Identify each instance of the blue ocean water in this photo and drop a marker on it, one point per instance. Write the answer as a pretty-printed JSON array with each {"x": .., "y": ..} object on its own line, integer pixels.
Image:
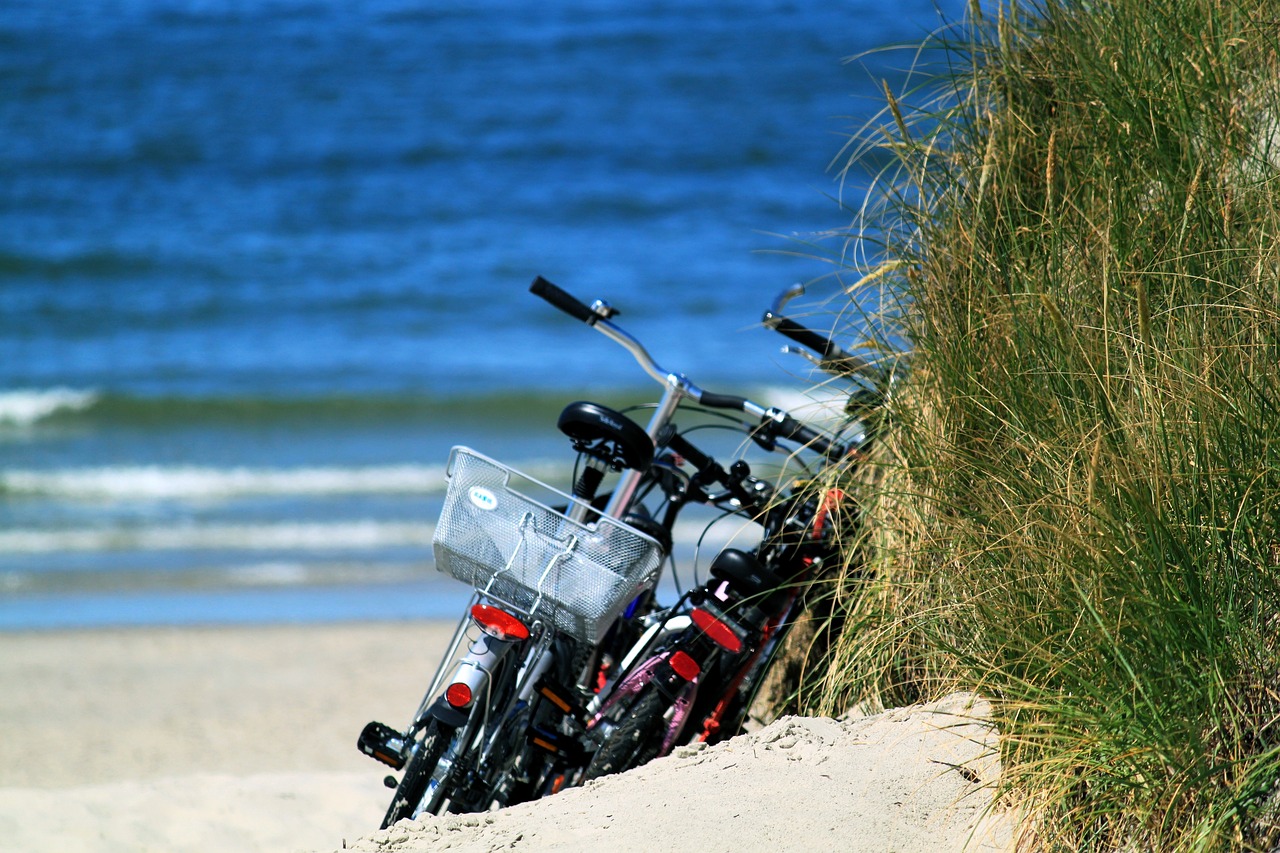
[{"x": 262, "y": 262}]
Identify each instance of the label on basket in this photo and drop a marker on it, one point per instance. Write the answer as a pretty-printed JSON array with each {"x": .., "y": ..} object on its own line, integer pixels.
[{"x": 483, "y": 498}]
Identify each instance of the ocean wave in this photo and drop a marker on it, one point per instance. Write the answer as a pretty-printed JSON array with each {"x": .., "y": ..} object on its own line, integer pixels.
[
  {"x": 819, "y": 405},
  {"x": 25, "y": 407},
  {"x": 348, "y": 535},
  {"x": 340, "y": 408},
  {"x": 192, "y": 483},
  {"x": 272, "y": 574},
  {"x": 711, "y": 537},
  {"x": 92, "y": 263},
  {"x": 362, "y": 535}
]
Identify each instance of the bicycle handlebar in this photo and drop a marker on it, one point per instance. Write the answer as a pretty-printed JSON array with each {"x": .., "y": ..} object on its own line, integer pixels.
[
  {"x": 789, "y": 427},
  {"x": 833, "y": 358},
  {"x": 696, "y": 457},
  {"x": 566, "y": 302},
  {"x": 824, "y": 346},
  {"x": 774, "y": 423},
  {"x": 710, "y": 471}
]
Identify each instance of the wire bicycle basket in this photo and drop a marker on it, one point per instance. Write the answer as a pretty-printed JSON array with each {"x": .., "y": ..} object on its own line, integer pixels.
[{"x": 515, "y": 549}]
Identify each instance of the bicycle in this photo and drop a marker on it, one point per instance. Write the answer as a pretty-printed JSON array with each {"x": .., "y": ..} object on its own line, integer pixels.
[
  {"x": 564, "y": 588},
  {"x": 696, "y": 670},
  {"x": 696, "y": 677}
]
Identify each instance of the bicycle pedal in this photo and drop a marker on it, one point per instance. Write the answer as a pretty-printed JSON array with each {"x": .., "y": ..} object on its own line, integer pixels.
[
  {"x": 562, "y": 697},
  {"x": 556, "y": 743},
  {"x": 383, "y": 743}
]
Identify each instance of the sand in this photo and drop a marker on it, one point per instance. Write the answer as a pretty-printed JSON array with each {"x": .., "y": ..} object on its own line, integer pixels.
[{"x": 242, "y": 739}]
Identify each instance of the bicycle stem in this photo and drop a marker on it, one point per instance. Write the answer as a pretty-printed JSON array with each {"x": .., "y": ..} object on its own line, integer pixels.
[{"x": 675, "y": 388}]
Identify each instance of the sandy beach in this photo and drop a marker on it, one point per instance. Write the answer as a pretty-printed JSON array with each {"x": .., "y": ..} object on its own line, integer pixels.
[
  {"x": 242, "y": 739},
  {"x": 201, "y": 739}
]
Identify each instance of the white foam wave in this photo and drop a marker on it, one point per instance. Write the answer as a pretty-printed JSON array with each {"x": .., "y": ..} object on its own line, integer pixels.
[
  {"x": 351, "y": 535},
  {"x": 200, "y": 483},
  {"x": 356, "y": 535},
  {"x": 820, "y": 405},
  {"x": 277, "y": 574},
  {"x": 715, "y": 537},
  {"x": 25, "y": 407}
]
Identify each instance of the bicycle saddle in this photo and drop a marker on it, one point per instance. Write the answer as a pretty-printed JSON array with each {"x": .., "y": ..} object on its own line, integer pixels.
[
  {"x": 607, "y": 435},
  {"x": 744, "y": 571}
]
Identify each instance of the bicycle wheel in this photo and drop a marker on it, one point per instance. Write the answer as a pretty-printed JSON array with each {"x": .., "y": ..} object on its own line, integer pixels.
[
  {"x": 417, "y": 773},
  {"x": 635, "y": 741},
  {"x": 486, "y": 785}
]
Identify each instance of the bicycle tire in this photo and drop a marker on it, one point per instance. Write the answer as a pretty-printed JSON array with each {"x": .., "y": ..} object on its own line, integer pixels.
[
  {"x": 479, "y": 791},
  {"x": 635, "y": 742},
  {"x": 732, "y": 719},
  {"x": 509, "y": 775},
  {"x": 417, "y": 774}
]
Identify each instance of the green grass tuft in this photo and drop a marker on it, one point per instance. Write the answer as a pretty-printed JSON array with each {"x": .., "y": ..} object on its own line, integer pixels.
[{"x": 1079, "y": 511}]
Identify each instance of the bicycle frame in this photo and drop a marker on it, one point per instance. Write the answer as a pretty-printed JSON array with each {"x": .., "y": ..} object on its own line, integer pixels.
[{"x": 702, "y": 637}]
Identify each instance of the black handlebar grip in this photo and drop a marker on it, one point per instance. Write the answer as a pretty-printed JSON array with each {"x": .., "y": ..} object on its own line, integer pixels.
[
  {"x": 722, "y": 401},
  {"x": 566, "y": 302},
  {"x": 793, "y": 429},
  {"x": 834, "y": 359},
  {"x": 820, "y": 344}
]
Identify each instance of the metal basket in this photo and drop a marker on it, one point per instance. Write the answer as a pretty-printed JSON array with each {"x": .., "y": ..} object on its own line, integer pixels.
[{"x": 576, "y": 577}]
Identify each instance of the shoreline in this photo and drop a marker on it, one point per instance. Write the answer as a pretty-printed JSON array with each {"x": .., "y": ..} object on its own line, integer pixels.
[{"x": 425, "y": 596}]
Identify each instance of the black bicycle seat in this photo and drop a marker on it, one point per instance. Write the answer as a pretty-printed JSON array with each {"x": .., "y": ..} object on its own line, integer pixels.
[
  {"x": 607, "y": 435},
  {"x": 744, "y": 571}
]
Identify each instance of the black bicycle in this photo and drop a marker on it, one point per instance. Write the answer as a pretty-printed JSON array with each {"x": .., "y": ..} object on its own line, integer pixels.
[
  {"x": 564, "y": 587},
  {"x": 695, "y": 673}
]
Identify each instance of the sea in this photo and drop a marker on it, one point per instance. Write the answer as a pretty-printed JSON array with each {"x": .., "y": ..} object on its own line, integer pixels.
[{"x": 264, "y": 262}]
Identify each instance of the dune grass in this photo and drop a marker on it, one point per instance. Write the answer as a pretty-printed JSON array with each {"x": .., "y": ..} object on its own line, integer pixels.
[{"x": 1079, "y": 512}]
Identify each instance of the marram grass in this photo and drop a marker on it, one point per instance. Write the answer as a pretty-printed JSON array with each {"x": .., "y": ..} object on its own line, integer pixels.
[{"x": 1078, "y": 511}]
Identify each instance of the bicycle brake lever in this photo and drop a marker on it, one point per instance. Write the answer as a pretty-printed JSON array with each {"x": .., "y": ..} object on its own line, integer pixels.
[
  {"x": 786, "y": 296},
  {"x": 765, "y": 436},
  {"x": 790, "y": 350}
]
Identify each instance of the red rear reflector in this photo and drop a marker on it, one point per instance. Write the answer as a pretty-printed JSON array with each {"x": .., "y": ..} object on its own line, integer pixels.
[
  {"x": 458, "y": 694},
  {"x": 499, "y": 623},
  {"x": 721, "y": 634},
  {"x": 685, "y": 666}
]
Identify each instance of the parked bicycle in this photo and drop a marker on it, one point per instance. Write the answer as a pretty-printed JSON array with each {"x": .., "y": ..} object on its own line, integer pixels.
[
  {"x": 695, "y": 672},
  {"x": 564, "y": 642}
]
